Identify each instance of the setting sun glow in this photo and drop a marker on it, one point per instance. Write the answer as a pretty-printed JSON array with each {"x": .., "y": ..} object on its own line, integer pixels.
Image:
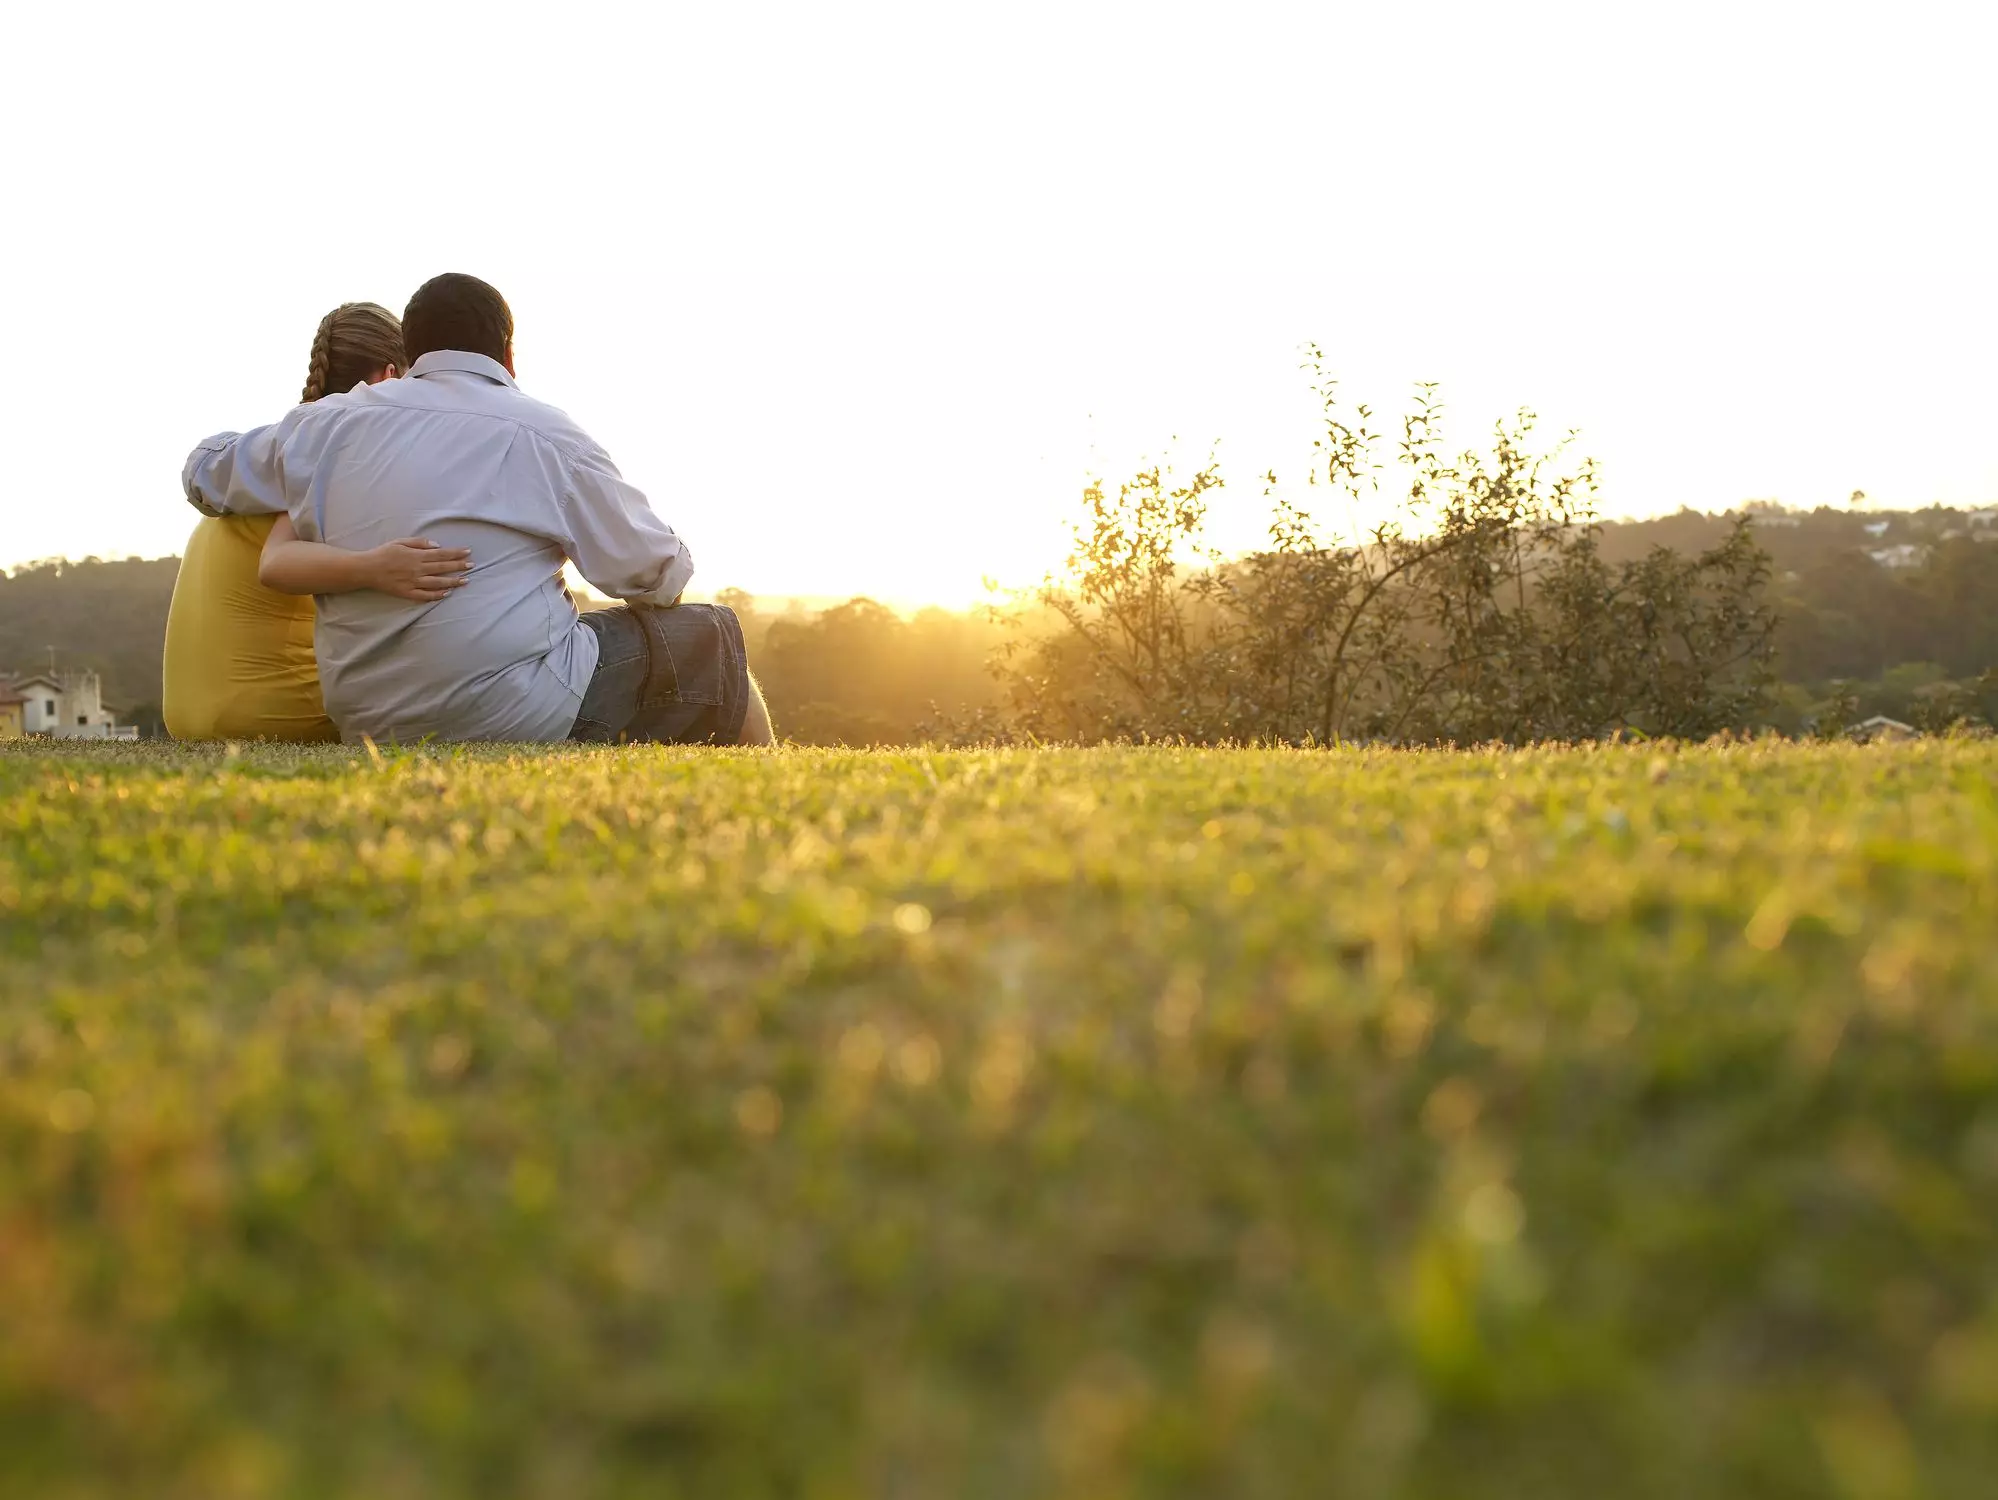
[{"x": 860, "y": 296}]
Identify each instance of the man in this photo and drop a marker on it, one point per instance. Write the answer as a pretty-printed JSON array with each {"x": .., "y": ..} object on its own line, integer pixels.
[{"x": 455, "y": 452}]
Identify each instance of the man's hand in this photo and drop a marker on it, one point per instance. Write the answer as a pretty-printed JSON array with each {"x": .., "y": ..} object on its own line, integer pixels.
[{"x": 418, "y": 570}]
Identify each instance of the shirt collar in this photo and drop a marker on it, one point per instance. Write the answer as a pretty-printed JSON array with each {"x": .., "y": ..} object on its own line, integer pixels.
[{"x": 462, "y": 360}]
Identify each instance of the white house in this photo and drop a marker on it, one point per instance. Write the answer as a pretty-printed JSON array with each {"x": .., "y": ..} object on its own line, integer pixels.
[
  {"x": 66, "y": 706},
  {"x": 1880, "y": 727}
]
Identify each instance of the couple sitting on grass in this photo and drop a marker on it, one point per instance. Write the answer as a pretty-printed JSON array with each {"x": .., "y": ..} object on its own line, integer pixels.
[{"x": 430, "y": 506}]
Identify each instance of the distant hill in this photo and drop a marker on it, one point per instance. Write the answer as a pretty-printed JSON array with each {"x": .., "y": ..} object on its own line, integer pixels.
[
  {"x": 1901, "y": 604},
  {"x": 108, "y": 616},
  {"x": 1798, "y": 540}
]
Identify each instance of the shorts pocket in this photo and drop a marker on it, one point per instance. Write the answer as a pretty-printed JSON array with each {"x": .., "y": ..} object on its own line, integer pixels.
[{"x": 691, "y": 655}]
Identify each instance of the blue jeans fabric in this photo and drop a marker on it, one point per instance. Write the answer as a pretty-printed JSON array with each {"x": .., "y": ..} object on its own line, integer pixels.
[{"x": 674, "y": 676}]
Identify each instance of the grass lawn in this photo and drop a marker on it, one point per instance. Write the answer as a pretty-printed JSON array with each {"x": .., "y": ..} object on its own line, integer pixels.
[{"x": 1613, "y": 1122}]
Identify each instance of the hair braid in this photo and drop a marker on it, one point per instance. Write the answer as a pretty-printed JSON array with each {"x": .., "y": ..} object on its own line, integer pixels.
[
  {"x": 322, "y": 359},
  {"x": 354, "y": 342}
]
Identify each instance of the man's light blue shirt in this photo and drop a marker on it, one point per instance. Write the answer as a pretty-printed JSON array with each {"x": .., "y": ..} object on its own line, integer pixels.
[{"x": 456, "y": 453}]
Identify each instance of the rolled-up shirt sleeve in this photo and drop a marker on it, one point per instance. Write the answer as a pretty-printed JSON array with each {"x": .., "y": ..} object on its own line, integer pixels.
[
  {"x": 615, "y": 538},
  {"x": 236, "y": 473}
]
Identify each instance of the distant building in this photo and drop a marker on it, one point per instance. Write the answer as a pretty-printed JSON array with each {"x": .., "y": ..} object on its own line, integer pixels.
[
  {"x": 63, "y": 705},
  {"x": 1768, "y": 513},
  {"x": 13, "y": 707},
  {"x": 1906, "y": 555},
  {"x": 1880, "y": 727},
  {"x": 1876, "y": 528}
]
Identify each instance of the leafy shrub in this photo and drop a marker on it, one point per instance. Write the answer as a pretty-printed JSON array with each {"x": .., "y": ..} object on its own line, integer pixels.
[{"x": 1476, "y": 606}]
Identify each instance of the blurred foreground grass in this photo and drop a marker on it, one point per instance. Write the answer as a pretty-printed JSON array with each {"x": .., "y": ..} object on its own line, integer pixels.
[{"x": 636, "y": 1122}]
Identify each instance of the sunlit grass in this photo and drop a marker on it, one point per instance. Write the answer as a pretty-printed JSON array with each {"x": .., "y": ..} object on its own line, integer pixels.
[{"x": 1616, "y": 1121}]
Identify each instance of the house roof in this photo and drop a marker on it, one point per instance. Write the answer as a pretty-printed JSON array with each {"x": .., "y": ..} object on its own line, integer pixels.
[
  {"x": 9, "y": 695},
  {"x": 34, "y": 679},
  {"x": 1880, "y": 727}
]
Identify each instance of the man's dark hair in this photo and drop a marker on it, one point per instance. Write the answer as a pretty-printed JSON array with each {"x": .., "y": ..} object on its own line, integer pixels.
[{"x": 456, "y": 311}]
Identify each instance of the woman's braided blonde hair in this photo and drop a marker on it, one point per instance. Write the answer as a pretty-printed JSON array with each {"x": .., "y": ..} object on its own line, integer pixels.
[{"x": 354, "y": 341}]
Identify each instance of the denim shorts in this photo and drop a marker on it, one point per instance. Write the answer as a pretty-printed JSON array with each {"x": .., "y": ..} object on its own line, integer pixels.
[{"x": 676, "y": 676}]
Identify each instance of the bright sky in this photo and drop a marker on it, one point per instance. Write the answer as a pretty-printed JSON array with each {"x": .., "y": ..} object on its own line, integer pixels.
[{"x": 859, "y": 295}]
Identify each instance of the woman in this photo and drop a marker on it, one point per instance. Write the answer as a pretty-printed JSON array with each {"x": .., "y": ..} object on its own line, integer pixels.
[{"x": 239, "y": 661}]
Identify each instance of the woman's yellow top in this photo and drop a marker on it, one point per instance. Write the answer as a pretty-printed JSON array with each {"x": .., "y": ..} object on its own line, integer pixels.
[{"x": 239, "y": 663}]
